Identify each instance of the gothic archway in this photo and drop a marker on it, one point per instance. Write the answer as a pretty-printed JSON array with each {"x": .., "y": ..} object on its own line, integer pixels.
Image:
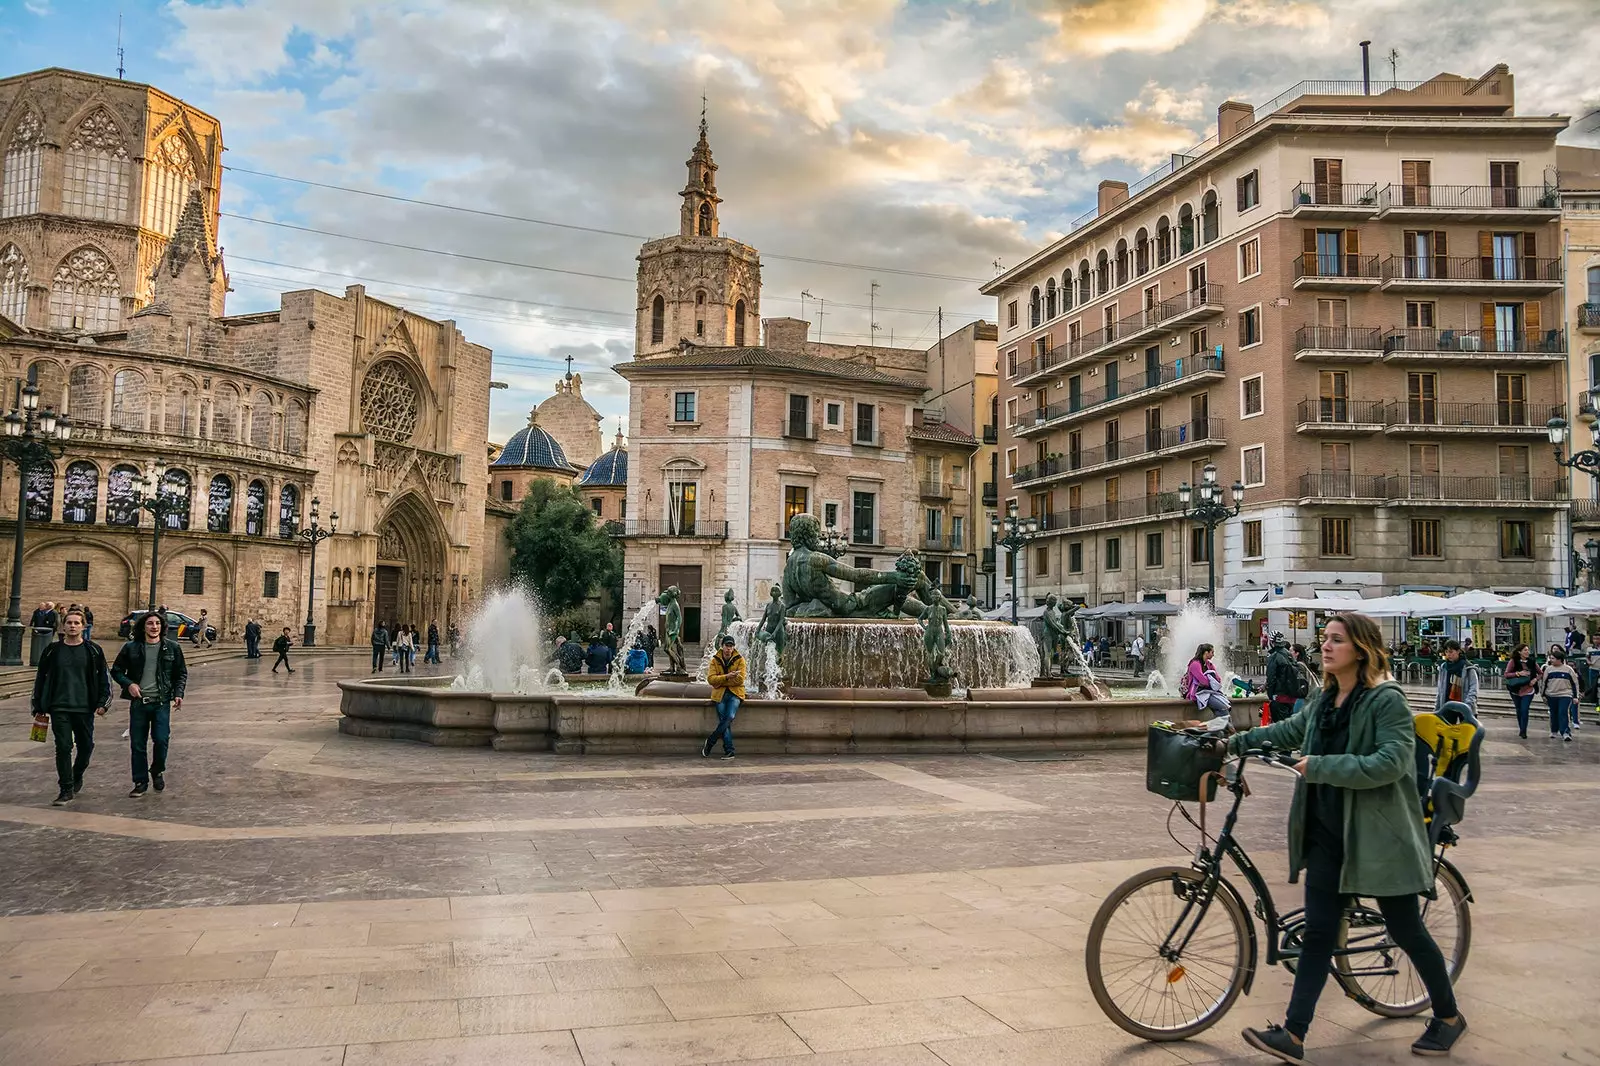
[{"x": 412, "y": 560}]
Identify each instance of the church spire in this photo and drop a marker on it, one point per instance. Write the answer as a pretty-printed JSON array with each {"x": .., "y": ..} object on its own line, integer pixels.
[{"x": 700, "y": 199}]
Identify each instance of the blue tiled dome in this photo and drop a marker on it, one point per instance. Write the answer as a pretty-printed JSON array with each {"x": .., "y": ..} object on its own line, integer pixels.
[
  {"x": 533, "y": 447},
  {"x": 610, "y": 469}
]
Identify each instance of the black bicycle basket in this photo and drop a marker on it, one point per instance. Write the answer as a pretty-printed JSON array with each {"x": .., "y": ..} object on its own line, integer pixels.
[{"x": 1175, "y": 762}]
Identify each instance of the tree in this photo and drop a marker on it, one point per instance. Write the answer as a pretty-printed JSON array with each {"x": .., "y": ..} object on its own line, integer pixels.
[{"x": 559, "y": 548}]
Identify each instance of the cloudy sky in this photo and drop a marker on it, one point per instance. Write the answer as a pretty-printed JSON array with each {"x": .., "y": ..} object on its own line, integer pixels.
[{"x": 903, "y": 142}]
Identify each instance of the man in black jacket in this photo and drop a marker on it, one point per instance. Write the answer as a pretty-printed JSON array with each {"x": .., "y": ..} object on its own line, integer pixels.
[
  {"x": 252, "y": 639},
  {"x": 380, "y": 646},
  {"x": 152, "y": 673},
  {"x": 71, "y": 687},
  {"x": 1284, "y": 680}
]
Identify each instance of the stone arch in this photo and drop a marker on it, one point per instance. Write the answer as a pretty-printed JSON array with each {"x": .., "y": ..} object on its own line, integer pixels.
[
  {"x": 294, "y": 428},
  {"x": 1163, "y": 241},
  {"x": 1035, "y": 307},
  {"x": 13, "y": 284},
  {"x": 1122, "y": 261},
  {"x": 1185, "y": 229},
  {"x": 658, "y": 319},
  {"x": 97, "y": 172},
  {"x": 1085, "y": 282},
  {"x": 80, "y": 492},
  {"x": 1102, "y": 272},
  {"x": 224, "y": 411},
  {"x": 51, "y": 378},
  {"x": 261, "y": 420},
  {"x": 179, "y": 407},
  {"x": 22, "y": 162},
  {"x": 413, "y": 546},
  {"x": 739, "y": 316},
  {"x": 1050, "y": 298},
  {"x": 1210, "y": 217},
  {"x": 112, "y": 574},
  {"x": 169, "y": 580},
  {"x": 170, "y": 172},
  {"x": 130, "y": 400}
]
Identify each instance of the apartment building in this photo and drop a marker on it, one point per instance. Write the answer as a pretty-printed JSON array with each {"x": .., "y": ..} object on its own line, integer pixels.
[
  {"x": 1580, "y": 243},
  {"x": 962, "y": 394},
  {"x": 1351, "y": 304}
]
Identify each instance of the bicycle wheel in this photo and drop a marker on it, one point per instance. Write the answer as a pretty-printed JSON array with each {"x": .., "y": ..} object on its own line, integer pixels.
[
  {"x": 1172, "y": 996},
  {"x": 1380, "y": 977}
]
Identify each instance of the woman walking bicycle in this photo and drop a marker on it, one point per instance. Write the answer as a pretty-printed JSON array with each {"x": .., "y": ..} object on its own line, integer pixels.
[{"x": 1355, "y": 828}]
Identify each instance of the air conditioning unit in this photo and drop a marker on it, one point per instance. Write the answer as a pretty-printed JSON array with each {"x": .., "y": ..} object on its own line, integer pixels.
[
  {"x": 1094, "y": 371},
  {"x": 1469, "y": 343}
]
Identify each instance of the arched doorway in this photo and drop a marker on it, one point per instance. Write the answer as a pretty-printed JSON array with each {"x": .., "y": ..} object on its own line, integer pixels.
[{"x": 408, "y": 581}]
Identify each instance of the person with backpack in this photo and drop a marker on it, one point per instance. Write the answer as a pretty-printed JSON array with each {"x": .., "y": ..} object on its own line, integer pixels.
[
  {"x": 1286, "y": 686},
  {"x": 282, "y": 646},
  {"x": 1309, "y": 681},
  {"x": 1521, "y": 677},
  {"x": 1458, "y": 679},
  {"x": 1203, "y": 685},
  {"x": 152, "y": 673},
  {"x": 1559, "y": 683}
]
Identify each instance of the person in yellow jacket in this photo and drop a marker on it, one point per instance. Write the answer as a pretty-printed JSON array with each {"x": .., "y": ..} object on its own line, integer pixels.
[{"x": 726, "y": 675}]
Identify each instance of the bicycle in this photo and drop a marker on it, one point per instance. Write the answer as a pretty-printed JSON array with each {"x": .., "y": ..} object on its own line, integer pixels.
[{"x": 1161, "y": 972}]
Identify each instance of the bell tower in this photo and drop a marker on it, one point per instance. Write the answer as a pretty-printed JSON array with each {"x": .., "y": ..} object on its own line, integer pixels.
[{"x": 700, "y": 199}]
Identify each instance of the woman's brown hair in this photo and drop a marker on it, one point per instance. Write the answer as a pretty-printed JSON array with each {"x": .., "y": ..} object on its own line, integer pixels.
[{"x": 1371, "y": 654}]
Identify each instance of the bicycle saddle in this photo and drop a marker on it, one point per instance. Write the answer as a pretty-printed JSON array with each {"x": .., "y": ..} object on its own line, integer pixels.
[{"x": 1449, "y": 748}]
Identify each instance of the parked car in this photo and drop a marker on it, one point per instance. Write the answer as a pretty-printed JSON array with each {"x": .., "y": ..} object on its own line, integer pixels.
[{"x": 179, "y": 626}]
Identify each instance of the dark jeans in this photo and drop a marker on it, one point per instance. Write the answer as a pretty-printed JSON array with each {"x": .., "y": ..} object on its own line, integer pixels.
[
  {"x": 148, "y": 721},
  {"x": 1324, "y": 910},
  {"x": 433, "y": 653},
  {"x": 252, "y": 647},
  {"x": 378, "y": 655},
  {"x": 1523, "y": 703},
  {"x": 1281, "y": 711},
  {"x": 72, "y": 727},
  {"x": 405, "y": 660},
  {"x": 1560, "y": 714},
  {"x": 282, "y": 660},
  {"x": 727, "y": 707}
]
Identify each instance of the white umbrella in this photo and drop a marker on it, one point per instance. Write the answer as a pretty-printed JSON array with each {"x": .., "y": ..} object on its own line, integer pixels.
[
  {"x": 1476, "y": 602},
  {"x": 1586, "y": 603},
  {"x": 1541, "y": 603}
]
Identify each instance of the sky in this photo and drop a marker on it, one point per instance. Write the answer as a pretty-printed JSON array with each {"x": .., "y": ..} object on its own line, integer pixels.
[{"x": 907, "y": 143}]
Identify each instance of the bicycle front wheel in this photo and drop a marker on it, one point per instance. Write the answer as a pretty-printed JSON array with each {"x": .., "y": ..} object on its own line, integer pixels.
[
  {"x": 1163, "y": 963},
  {"x": 1378, "y": 975}
]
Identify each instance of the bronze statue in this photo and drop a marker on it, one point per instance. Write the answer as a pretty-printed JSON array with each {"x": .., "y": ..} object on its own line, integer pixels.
[
  {"x": 774, "y": 626},
  {"x": 937, "y": 639},
  {"x": 809, "y": 591},
  {"x": 1058, "y": 631},
  {"x": 673, "y": 644},
  {"x": 730, "y": 615},
  {"x": 970, "y": 612}
]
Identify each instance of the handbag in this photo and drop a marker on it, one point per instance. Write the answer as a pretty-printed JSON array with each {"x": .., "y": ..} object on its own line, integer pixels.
[
  {"x": 1176, "y": 761},
  {"x": 1517, "y": 685}
]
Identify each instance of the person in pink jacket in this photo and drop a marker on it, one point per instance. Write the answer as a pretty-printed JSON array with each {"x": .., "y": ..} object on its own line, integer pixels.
[{"x": 1203, "y": 685}]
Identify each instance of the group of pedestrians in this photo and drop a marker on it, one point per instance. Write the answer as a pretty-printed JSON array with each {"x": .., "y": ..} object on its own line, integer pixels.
[
  {"x": 399, "y": 644},
  {"x": 1290, "y": 679},
  {"x": 1559, "y": 680},
  {"x": 574, "y": 655}
]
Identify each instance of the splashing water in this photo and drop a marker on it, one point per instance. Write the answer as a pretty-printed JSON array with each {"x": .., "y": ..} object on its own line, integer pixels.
[
  {"x": 643, "y": 617},
  {"x": 1156, "y": 684},
  {"x": 507, "y": 649},
  {"x": 1197, "y": 625}
]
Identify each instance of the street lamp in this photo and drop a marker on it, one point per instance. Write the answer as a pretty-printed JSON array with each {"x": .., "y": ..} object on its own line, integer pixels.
[
  {"x": 1588, "y": 459},
  {"x": 1018, "y": 531},
  {"x": 1210, "y": 511},
  {"x": 313, "y": 534},
  {"x": 151, "y": 495},
  {"x": 32, "y": 438},
  {"x": 1592, "y": 547},
  {"x": 833, "y": 542}
]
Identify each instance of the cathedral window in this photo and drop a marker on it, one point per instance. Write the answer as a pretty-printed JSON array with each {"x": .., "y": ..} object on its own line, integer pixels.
[
  {"x": 738, "y": 324},
  {"x": 80, "y": 495},
  {"x": 86, "y": 395},
  {"x": 658, "y": 319},
  {"x": 122, "y": 496},
  {"x": 13, "y": 284},
  {"x": 255, "y": 509},
  {"x": 261, "y": 421},
  {"x": 225, "y": 413},
  {"x": 129, "y": 401},
  {"x": 699, "y": 299},
  {"x": 41, "y": 492},
  {"x": 294, "y": 428},
  {"x": 219, "y": 505},
  {"x": 176, "y": 486},
  {"x": 390, "y": 407},
  {"x": 288, "y": 512},
  {"x": 169, "y": 175},
  {"x": 98, "y": 170},
  {"x": 699, "y": 327},
  {"x": 85, "y": 294},
  {"x": 705, "y": 219},
  {"x": 22, "y": 171}
]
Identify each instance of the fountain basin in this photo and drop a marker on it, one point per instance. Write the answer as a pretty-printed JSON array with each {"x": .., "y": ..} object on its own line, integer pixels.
[{"x": 887, "y": 653}]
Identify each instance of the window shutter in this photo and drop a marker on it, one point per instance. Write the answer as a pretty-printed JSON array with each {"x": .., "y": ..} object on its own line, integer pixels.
[
  {"x": 1486, "y": 319},
  {"x": 1530, "y": 321},
  {"x": 1244, "y": 330},
  {"x": 1336, "y": 178},
  {"x": 1309, "y": 248},
  {"x": 1485, "y": 254},
  {"x": 1238, "y": 191},
  {"x": 1352, "y": 252},
  {"x": 1439, "y": 245},
  {"x": 1530, "y": 255},
  {"x": 1408, "y": 172}
]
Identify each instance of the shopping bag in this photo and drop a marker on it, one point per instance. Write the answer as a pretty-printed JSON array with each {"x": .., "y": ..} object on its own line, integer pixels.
[{"x": 40, "y": 730}]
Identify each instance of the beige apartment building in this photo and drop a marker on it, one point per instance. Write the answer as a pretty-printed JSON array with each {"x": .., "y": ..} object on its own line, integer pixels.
[
  {"x": 1349, "y": 303},
  {"x": 1580, "y": 242}
]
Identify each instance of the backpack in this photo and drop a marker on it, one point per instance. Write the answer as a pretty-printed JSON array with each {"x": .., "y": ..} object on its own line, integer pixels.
[{"x": 1186, "y": 686}]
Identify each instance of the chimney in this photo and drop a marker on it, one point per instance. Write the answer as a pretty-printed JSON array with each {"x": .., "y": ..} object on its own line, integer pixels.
[
  {"x": 1112, "y": 193},
  {"x": 1232, "y": 118},
  {"x": 786, "y": 334},
  {"x": 1366, "y": 69}
]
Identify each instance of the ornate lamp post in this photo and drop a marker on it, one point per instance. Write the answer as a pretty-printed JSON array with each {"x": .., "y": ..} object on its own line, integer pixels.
[
  {"x": 833, "y": 542},
  {"x": 152, "y": 495},
  {"x": 1018, "y": 531},
  {"x": 1587, "y": 460},
  {"x": 1210, "y": 511},
  {"x": 313, "y": 534},
  {"x": 32, "y": 438}
]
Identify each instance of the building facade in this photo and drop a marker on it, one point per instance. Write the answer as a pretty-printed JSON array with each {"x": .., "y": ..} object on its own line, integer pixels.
[
  {"x": 1580, "y": 242},
  {"x": 1350, "y": 304},
  {"x": 963, "y": 390}
]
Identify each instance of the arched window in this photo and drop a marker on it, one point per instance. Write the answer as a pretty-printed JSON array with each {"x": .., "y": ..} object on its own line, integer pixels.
[
  {"x": 288, "y": 512},
  {"x": 705, "y": 219},
  {"x": 219, "y": 505},
  {"x": 1102, "y": 272},
  {"x": 23, "y": 167},
  {"x": 261, "y": 421},
  {"x": 224, "y": 412},
  {"x": 1085, "y": 284},
  {"x": 169, "y": 175},
  {"x": 41, "y": 492},
  {"x": 658, "y": 319},
  {"x": 122, "y": 497},
  {"x": 85, "y": 294},
  {"x": 1050, "y": 299},
  {"x": 1185, "y": 230},
  {"x": 80, "y": 495},
  {"x": 1066, "y": 290},
  {"x": 294, "y": 428},
  {"x": 1141, "y": 252},
  {"x": 1209, "y": 223},
  {"x": 738, "y": 324},
  {"x": 1034, "y": 309},
  {"x": 86, "y": 395},
  {"x": 177, "y": 485},
  {"x": 390, "y": 405},
  {"x": 98, "y": 170},
  {"x": 1593, "y": 299},
  {"x": 1163, "y": 241},
  {"x": 255, "y": 509},
  {"x": 13, "y": 284},
  {"x": 1122, "y": 262},
  {"x": 179, "y": 408},
  {"x": 129, "y": 401}
]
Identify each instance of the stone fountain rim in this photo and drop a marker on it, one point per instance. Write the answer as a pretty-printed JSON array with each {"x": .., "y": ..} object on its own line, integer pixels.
[{"x": 902, "y": 621}]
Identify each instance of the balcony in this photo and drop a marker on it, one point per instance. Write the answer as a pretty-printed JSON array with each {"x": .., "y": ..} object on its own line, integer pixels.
[
  {"x": 799, "y": 429},
  {"x": 1432, "y": 418},
  {"x": 942, "y": 543},
  {"x": 1117, "y": 513},
  {"x": 1468, "y": 203},
  {"x": 1200, "y": 434},
  {"x": 1425, "y": 489},
  {"x": 1585, "y": 514},
  {"x": 935, "y": 490},
  {"x": 1338, "y": 272},
  {"x": 1589, "y": 318},
  {"x": 1479, "y": 346},
  {"x": 1338, "y": 344},
  {"x": 1330, "y": 200},
  {"x": 1339, "y": 488},
  {"x": 1471, "y": 273},
  {"x": 990, "y": 496},
  {"x": 1141, "y": 385},
  {"x": 991, "y": 434},
  {"x": 1189, "y": 306},
  {"x": 1340, "y": 416},
  {"x": 695, "y": 528}
]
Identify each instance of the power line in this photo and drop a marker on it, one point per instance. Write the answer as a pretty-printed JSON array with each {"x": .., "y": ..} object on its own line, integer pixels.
[{"x": 395, "y": 198}]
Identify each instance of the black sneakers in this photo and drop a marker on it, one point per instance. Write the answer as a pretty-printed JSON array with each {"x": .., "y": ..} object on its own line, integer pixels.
[
  {"x": 160, "y": 781},
  {"x": 63, "y": 798},
  {"x": 1275, "y": 1040},
  {"x": 138, "y": 790},
  {"x": 77, "y": 785},
  {"x": 726, "y": 755},
  {"x": 1438, "y": 1037},
  {"x": 705, "y": 750}
]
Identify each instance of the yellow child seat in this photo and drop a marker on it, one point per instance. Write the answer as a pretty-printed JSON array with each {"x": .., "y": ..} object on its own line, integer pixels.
[{"x": 1449, "y": 749}]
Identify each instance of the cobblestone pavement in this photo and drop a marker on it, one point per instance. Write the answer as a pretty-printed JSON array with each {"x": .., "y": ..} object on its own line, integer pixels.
[{"x": 296, "y": 896}]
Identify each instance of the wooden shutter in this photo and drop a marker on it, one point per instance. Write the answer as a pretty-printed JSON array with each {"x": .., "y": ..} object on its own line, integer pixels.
[
  {"x": 1238, "y": 190},
  {"x": 1485, "y": 255},
  {"x": 1530, "y": 255},
  {"x": 1308, "y": 258},
  {"x": 1531, "y": 323},
  {"x": 1352, "y": 252},
  {"x": 1439, "y": 246},
  {"x": 1486, "y": 319}
]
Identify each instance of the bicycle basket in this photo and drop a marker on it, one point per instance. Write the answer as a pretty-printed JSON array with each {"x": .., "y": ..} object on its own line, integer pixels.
[{"x": 1175, "y": 762}]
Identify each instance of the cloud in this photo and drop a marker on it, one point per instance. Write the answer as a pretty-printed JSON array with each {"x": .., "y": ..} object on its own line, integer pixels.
[
  {"x": 37, "y": 7},
  {"x": 1099, "y": 27},
  {"x": 1008, "y": 84}
]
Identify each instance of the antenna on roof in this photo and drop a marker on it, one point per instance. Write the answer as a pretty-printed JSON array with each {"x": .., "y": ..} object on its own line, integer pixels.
[
  {"x": 1394, "y": 68},
  {"x": 119, "y": 46}
]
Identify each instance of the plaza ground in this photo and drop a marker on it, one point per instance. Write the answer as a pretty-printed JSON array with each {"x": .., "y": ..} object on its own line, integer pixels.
[{"x": 300, "y": 897}]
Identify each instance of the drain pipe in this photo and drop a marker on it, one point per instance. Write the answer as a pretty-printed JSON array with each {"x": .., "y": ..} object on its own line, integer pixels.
[{"x": 1366, "y": 69}]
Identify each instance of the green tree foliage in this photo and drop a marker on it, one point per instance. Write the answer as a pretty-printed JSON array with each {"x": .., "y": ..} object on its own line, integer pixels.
[{"x": 559, "y": 549}]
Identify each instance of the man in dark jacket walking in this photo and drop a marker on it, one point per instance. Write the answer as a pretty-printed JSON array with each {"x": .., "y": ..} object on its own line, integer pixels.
[
  {"x": 153, "y": 675},
  {"x": 380, "y": 645},
  {"x": 432, "y": 655},
  {"x": 71, "y": 687},
  {"x": 1284, "y": 680},
  {"x": 252, "y": 639},
  {"x": 282, "y": 646}
]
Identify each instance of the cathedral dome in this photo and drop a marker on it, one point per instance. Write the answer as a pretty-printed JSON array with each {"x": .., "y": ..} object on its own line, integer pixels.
[
  {"x": 534, "y": 447},
  {"x": 610, "y": 470}
]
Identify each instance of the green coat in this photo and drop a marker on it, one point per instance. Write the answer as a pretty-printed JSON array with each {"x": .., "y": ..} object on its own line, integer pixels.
[{"x": 1385, "y": 845}]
